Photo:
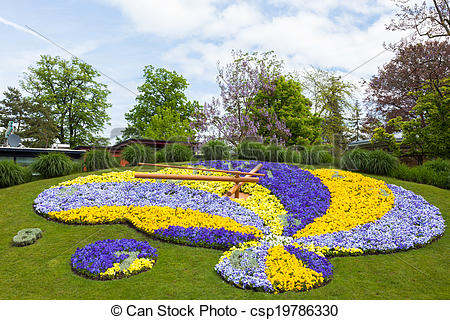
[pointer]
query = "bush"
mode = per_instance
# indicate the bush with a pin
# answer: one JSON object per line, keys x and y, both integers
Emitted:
{"x": 11, "y": 174}
{"x": 438, "y": 165}
{"x": 77, "y": 167}
{"x": 381, "y": 162}
{"x": 275, "y": 153}
{"x": 53, "y": 164}
{"x": 97, "y": 159}
{"x": 249, "y": 150}
{"x": 176, "y": 152}
{"x": 160, "y": 156}
{"x": 356, "y": 159}
{"x": 215, "y": 150}
{"x": 313, "y": 155}
{"x": 136, "y": 153}
{"x": 292, "y": 156}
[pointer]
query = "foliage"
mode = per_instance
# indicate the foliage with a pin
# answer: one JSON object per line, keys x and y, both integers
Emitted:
{"x": 423, "y": 174}
{"x": 381, "y": 137}
{"x": 285, "y": 102}
{"x": 438, "y": 165}
{"x": 250, "y": 150}
{"x": 426, "y": 132}
{"x": 318, "y": 154}
{"x": 292, "y": 155}
{"x": 162, "y": 103}
{"x": 77, "y": 101}
{"x": 53, "y": 164}
{"x": 27, "y": 236}
{"x": 136, "y": 153}
{"x": 215, "y": 150}
{"x": 97, "y": 159}
{"x": 381, "y": 162}
{"x": 77, "y": 166}
{"x": 426, "y": 20}
{"x": 239, "y": 82}
{"x": 355, "y": 123}
{"x": 176, "y": 152}
{"x": 413, "y": 65}
{"x": 167, "y": 124}
{"x": 330, "y": 96}
{"x": 355, "y": 159}
{"x": 275, "y": 153}
{"x": 33, "y": 121}
{"x": 11, "y": 174}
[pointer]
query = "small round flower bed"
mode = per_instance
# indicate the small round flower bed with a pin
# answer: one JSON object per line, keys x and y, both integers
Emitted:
{"x": 113, "y": 259}
{"x": 274, "y": 268}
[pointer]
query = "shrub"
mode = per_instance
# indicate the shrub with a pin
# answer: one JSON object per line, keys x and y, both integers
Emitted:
{"x": 356, "y": 159}
{"x": 160, "y": 156}
{"x": 438, "y": 165}
{"x": 381, "y": 162}
{"x": 249, "y": 150}
{"x": 11, "y": 174}
{"x": 215, "y": 150}
{"x": 292, "y": 156}
{"x": 403, "y": 172}
{"x": 313, "y": 155}
{"x": 422, "y": 174}
{"x": 136, "y": 153}
{"x": 53, "y": 164}
{"x": 77, "y": 167}
{"x": 275, "y": 153}
{"x": 97, "y": 159}
{"x": 27, "y": 236}
{"x": 176, "y": 152}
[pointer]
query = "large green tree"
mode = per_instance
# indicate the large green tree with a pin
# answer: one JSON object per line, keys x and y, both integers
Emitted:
{"x": 331, "y": 97}
{"x": 78, "y": 102}
{"x": 32, "y": 121}
{"x": 286, "y": 100}
{"x": 161, "y": 97}
{"x": 426, "y": 132}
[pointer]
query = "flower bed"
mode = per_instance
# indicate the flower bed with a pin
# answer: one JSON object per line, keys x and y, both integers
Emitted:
{"x": 274, "y": 268}
{"x": 302, "y": 194}
{"x": 113, "y": 259}
{"x": 280, "y": 235}
{"x": 411, "y": 223}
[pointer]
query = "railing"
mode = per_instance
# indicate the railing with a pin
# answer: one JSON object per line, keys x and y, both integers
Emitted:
{"x": 237, "y": 179}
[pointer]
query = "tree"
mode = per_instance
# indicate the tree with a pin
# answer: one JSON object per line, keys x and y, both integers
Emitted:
{"x": 413, "y": 65}
{"x": 355, "y": 123}
{"x": 233, "y": 116}
{"x": 33, "y": 121}
{"x": 167, "y": 124}
{"x": 161, "y": 95}
{"x": 330, "y": 96}
{"x": 288, "y": 104}
{"x": 426, "y": 133}
{"x": 78, "y": 103}
{"x": 432, "y": 21}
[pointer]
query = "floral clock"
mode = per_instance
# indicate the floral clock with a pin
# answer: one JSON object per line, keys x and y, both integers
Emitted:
{"x": 278, "y": 239}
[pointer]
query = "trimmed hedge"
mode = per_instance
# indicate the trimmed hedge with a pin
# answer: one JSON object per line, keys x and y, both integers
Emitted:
{"x": 12, "y": 174}
{"x": 98, "y": 159}
{"x": 53, "y": 164}
{"x": 136, "y": 153}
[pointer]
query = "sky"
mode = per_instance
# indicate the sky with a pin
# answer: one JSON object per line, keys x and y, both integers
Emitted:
{"x": 120, "y": 37}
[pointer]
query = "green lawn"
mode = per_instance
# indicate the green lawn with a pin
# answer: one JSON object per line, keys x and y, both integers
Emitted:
{"x": 42, "y": 270}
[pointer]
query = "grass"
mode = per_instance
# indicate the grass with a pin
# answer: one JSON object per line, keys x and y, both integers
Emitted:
{"x": 42, "y": 270}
